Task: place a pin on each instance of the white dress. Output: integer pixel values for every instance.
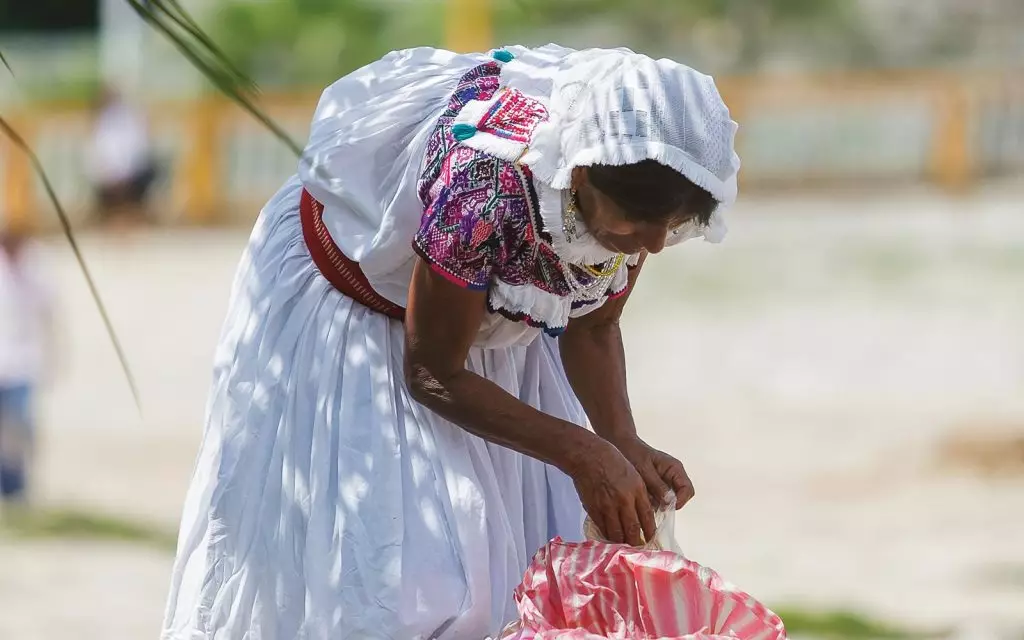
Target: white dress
(327, 503)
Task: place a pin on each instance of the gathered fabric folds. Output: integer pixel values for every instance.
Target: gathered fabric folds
(328, 504)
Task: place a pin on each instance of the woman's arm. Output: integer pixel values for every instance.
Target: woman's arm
(441, 323)
(595, 364)
(442, 320)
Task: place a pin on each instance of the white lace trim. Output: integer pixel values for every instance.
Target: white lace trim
(559, 178)
(530, 304)
(556, 170)
(547, 311)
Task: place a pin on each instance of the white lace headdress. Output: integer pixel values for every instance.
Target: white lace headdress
(617, 107)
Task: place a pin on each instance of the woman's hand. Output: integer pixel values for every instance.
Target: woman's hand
(661, 473)
(613, 493)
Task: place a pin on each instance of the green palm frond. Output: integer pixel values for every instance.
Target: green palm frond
(174, 22)
(65, 224)
(170, 18)
(181, 17)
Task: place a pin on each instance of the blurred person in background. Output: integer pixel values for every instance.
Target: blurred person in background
(121, 164)
(389, 441)
(26, 347)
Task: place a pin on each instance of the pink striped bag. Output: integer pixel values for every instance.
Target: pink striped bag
(600, 591)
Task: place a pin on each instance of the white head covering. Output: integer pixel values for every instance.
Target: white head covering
(615, 107)
(619, 108)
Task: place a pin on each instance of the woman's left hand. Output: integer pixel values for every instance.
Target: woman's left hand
(662, 473)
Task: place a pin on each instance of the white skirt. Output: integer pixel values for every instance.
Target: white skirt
(328, 504)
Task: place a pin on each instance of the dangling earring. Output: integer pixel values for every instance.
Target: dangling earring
(569, 213)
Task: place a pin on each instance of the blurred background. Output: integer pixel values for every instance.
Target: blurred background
(844, 376)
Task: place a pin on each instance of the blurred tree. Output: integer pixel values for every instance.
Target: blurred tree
(312, 42)
(660, 23)
(280, 42)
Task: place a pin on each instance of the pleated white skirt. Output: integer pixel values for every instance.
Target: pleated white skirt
(328, 504)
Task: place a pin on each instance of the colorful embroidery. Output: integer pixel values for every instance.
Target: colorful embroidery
(480, 83)
(475, 227)
(482, 221)
(513, 117)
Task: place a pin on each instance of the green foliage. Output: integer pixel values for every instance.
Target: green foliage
(79, 89)
(80, 525)
(176, 24)
(568, 11)
(842, 625)
(300, 42)
(665, 25)
(312, 42)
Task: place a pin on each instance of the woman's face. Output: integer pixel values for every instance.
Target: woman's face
(613, 229)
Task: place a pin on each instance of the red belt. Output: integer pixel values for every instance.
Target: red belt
(344, 274)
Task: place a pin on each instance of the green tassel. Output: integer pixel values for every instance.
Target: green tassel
(503, 55)
(463, 131)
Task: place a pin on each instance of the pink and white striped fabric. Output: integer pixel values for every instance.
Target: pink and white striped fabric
(600, 591)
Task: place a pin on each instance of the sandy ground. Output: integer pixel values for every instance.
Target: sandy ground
(807, 371)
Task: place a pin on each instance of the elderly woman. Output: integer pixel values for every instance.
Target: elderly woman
(425, 319)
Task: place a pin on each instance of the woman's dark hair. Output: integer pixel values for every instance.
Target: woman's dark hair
(651, 191)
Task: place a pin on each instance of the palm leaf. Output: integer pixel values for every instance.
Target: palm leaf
(184, 21)
(65, 223)
(174, 8)
(169, 18)
(174, 22)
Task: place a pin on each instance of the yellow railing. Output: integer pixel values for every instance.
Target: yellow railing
(220, 166)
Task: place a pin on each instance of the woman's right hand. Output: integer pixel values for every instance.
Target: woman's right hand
(613, 493)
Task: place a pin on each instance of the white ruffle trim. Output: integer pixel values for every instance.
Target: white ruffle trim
(527, 303)
(547, 311)
(547, 169)
(547, 163)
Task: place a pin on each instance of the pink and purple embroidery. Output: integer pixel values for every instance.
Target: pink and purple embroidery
(481, 218)
(476, 225)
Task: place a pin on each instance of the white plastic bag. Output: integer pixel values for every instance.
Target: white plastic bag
(665, 528)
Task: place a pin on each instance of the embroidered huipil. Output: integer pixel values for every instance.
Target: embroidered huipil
(488, 225)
